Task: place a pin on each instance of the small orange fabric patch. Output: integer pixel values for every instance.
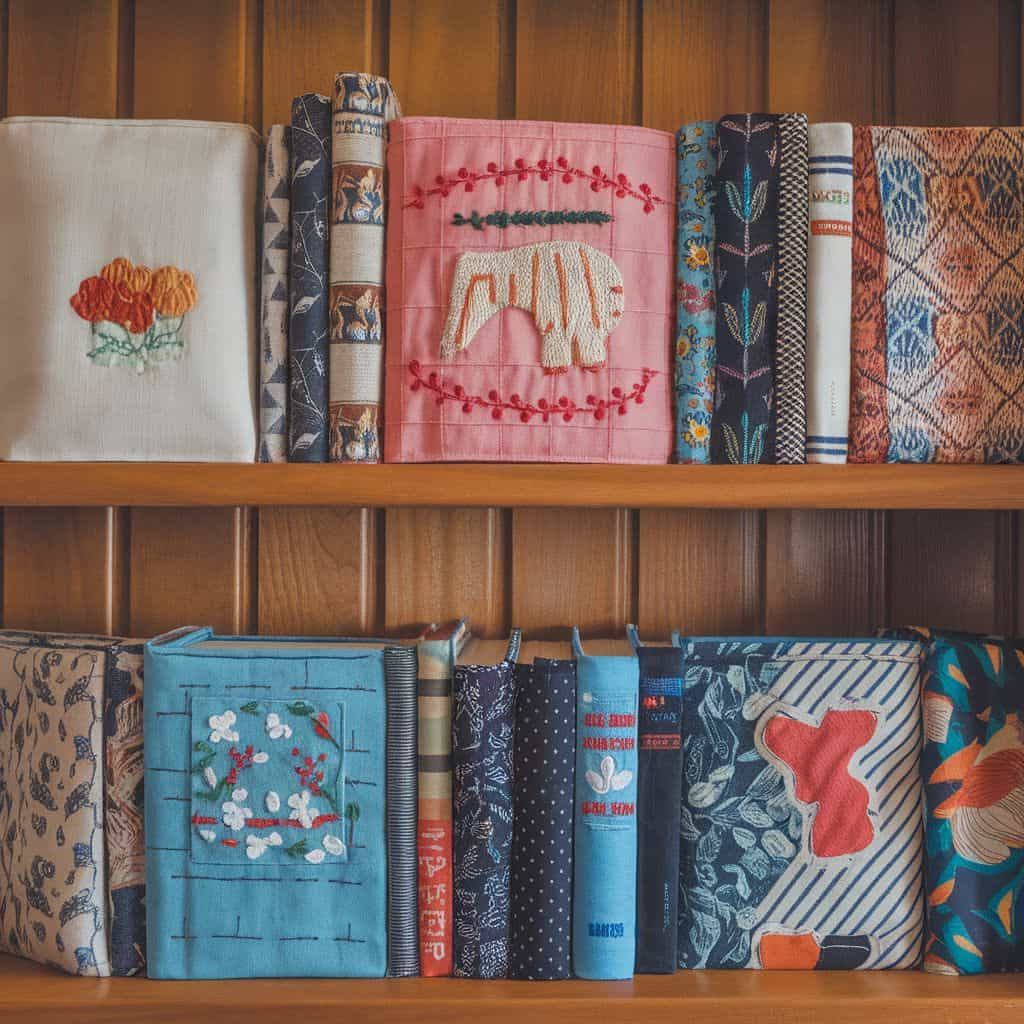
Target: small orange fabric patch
(789, 952)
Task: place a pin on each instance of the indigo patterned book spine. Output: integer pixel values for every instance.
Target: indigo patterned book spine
(829, 257)
(545, 754)
(274, 296)
(363, 105)
(482, 736)
(697, 149)
(308, 353)
(746, 210)
(791, 332)
(403, 938)
(123, 794)
(659, 791)
(604, 874)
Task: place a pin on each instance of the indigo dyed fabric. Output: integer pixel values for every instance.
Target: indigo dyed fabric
(308, 290)
(363, 104)
(791, 333)
(697, 151)
(973, 767)
(123, 813)
(657, 809)
(801, 827)
(483, 722)
(265, 800)
(403, 927)
(938, 352)
(545, 755)
(274, 308)
(746, 213)
(604, 874)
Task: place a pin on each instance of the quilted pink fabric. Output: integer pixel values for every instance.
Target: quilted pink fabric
(453, 182)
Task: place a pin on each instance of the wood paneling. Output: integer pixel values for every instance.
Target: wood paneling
(79, 76)
(318, 571)
(703, 570)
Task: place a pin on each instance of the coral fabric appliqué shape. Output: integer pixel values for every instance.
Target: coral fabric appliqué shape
(137, 314)
(529, 292)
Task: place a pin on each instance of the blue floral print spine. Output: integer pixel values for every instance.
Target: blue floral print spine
(308, 286)
(697, 148)
(973, 767)
(745, 215)
(482, 762)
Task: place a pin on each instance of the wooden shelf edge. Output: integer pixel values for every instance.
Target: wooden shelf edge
(29, 992)
(512, 486)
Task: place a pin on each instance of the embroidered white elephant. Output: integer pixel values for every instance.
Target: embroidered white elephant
(573, 292)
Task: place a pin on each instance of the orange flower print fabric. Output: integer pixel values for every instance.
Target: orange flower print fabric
(137, 314)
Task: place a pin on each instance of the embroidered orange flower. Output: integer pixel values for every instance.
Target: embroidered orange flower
(174, 291)
(122, 271)
(98, 299)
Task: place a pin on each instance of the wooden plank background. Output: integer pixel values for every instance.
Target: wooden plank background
(655, 62)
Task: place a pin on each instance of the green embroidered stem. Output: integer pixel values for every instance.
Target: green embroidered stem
(530, 218)
(114, 345)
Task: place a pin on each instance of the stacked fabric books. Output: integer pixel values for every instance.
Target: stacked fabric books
(447, 806)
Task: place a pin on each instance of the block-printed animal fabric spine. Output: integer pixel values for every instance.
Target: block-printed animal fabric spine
(307, 282)
(572, 291)
(363, 105)
(829, 256)
(274, 298)
(791, 331)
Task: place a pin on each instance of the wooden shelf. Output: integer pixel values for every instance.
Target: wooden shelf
(217, 484)
(30, 993)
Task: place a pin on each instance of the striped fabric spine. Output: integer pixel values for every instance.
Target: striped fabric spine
(791, 330)
(437, 650)
(274, 297)
(829, 258)
(400, 680)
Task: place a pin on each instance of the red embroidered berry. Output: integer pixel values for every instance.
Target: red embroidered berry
(492, 167)
(309, 761)
(567, 178)
(439, 180)
(596, 171)
(496, 414)
(514, 399)
(648, 207)
(645, 188)
(470, 186)
(520, 162)
(295, 751)
(563, 401)
(492, 395)
(542, 163)
(322, 757)
(524, 417)
(457, 390)
(444, 193)
(432, 379)
(463, 173)
(623, 180)
(319, 776)
(620, 193)
(595, 186)
(616, 392)
(591, 399)
(467, 407)
(639, 400)
(542, 403)
(439, 400)
(562, 162)
(567, 416)
(599, 414)
(522, 176)
(414, 386)
(622, 410)
(499, 180)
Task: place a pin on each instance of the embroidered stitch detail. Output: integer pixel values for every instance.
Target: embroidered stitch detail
(530, 218)
(572, 285)
(136, 313)
(558, 170)
(564, 407)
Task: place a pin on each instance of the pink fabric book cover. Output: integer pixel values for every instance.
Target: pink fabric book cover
(529, 292)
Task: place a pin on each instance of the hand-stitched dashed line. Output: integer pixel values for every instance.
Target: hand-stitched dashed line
(560, 171)
(529, 218)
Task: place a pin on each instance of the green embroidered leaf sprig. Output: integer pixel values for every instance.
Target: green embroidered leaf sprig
(301, 708)
(299, 849)
(250, 707)
(530, 218)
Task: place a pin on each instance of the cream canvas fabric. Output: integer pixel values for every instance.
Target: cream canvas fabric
(128, 282)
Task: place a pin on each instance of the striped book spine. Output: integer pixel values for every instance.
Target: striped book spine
(401, 684)
(437, 648)
(829, 290)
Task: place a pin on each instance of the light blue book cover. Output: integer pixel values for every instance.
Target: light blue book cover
(265, 798)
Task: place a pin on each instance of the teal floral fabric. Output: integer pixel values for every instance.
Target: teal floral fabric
(697, 147)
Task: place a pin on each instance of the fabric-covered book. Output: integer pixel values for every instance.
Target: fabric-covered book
(438, 647)
(973, 770)
(801, 827)
(71, 802)
(265, 800)
(529, 292)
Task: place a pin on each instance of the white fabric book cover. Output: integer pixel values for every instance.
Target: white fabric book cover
(829, 285)
(128, 278)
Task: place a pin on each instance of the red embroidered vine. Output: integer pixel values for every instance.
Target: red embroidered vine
(564, 407)
(561, 169)
(318, 821)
